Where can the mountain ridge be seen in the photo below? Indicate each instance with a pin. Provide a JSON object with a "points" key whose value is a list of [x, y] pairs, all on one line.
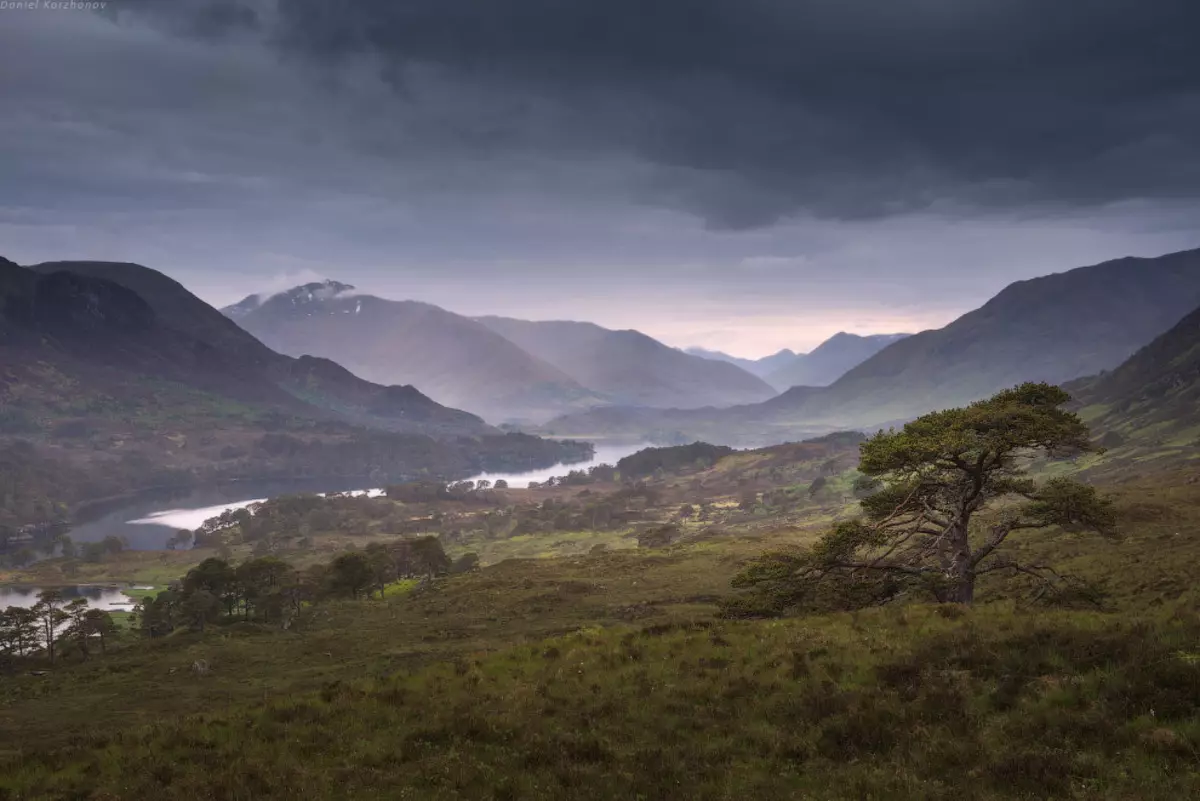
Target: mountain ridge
{"points": [[453, 359], [629, 366], [759, 367], [830, 360], [1054, 328]]}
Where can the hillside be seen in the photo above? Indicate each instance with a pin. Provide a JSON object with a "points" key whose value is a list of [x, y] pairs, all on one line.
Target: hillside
{"points": [[1147, 411], [608, 673], [630, 367], [101, 393], [759, 367], [1055, 328], [832, 359], [453, 359], [258, 371]]}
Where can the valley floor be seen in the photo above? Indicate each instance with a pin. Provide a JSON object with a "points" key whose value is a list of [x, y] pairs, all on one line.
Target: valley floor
{"points": [[610, 675]]}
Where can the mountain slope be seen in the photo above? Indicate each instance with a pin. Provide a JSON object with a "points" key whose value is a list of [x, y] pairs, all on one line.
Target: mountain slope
{"points": [[453, 359], [1153, 399], [317, 384], [100, 395], [759, 367], [631, 367], [832, 359], [1055, 328]]}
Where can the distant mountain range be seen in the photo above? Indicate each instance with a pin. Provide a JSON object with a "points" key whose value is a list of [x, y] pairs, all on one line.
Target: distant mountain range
{"points": [[760, 367], [115, 378], [1055, 328], [183, 338], [507, 370], [454, 359], [631, 368], [832, 359]]}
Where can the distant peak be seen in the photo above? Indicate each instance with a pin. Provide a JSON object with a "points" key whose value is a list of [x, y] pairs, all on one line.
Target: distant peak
{"points": [[317, 290], [328, 284], [313, 292]]}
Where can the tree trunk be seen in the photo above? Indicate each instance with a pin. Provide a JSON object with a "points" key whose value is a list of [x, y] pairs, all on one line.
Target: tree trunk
{"points": [[963, 574]]}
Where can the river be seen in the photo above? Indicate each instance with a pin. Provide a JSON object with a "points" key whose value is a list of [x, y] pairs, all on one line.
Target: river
{"points": [[108, 598], [146, 524]]}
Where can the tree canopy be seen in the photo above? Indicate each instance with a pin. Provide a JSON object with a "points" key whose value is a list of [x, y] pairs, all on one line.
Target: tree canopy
{"points": [[949, 489]]}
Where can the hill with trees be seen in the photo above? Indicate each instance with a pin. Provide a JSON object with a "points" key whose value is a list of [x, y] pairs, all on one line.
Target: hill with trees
{"points": [[383, 660]]}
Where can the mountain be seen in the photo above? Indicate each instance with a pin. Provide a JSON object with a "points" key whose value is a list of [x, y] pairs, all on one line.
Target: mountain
{"points": [[453, 359], [251, 369], [1149, 407], [114, 379], [630, 367], [832, 359], [759, 367], [1054, 328]]}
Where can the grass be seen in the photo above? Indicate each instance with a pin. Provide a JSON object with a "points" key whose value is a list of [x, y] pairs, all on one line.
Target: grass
{"points": [[607, 675], [544, 546], [922, 703]]}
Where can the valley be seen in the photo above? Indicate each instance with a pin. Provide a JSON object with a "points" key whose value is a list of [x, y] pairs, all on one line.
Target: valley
{"points": [[459, 400], [479, 613]]}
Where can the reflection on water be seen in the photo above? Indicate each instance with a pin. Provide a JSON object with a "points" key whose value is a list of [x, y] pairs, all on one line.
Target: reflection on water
{"points": [[605, 454], [148, 523], [110, 599]]}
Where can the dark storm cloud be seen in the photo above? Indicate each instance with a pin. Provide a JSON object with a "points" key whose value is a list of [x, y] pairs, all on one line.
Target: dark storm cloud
{"points": [[755, 109]]}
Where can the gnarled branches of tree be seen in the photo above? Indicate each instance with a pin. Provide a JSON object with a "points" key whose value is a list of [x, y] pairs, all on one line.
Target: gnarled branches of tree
{"points": [[952, 490]]}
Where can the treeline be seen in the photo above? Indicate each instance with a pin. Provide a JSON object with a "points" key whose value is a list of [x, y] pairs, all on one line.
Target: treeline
{"points": [[51, 625], [650, 461], [596, 474], [290, 521], [270, 590], [37, 487]]}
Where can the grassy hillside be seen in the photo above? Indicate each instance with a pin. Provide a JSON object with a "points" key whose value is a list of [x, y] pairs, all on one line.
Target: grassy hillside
{"points": [[1148, 410], [608, 672], [608, 676]]}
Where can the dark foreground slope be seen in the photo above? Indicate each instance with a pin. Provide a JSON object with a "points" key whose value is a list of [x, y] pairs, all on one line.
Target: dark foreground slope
{"points": [[608, 677]]}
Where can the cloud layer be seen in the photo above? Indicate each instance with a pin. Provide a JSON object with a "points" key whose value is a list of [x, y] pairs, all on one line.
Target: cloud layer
{"points": [[761, 108], [745, 174]]}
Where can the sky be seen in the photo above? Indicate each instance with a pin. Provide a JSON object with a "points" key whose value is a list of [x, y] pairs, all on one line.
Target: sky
{"points": [[744, 175]]}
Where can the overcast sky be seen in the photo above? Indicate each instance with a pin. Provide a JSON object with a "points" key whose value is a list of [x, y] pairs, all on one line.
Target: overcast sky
{"points": [[738, 174]]}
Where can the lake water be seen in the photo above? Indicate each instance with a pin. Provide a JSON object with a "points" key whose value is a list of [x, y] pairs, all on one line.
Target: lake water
{"points": [[146, 524], [110, 599]]}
